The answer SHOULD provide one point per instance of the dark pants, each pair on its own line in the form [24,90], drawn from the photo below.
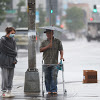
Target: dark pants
[7,78]
[51,78]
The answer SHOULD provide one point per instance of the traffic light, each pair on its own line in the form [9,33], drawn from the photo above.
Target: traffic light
[51,11]
[94,9]
[62,26]
[36,38]
[91,19]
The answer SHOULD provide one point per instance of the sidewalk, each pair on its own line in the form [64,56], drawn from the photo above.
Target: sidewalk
[75,91]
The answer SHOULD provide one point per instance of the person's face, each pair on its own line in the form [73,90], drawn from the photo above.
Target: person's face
[49,34]
[12,32]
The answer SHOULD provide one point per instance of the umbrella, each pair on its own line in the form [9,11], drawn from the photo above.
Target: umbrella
[53,28]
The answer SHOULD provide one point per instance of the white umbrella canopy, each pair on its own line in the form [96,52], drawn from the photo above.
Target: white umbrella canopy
[53,28]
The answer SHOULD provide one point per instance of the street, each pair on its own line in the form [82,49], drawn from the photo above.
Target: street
[79,55]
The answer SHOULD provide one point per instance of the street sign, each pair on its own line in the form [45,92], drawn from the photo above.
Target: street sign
[11,11]
[31,33]
[58,20]
[65,6]
[37,16]
[69,21]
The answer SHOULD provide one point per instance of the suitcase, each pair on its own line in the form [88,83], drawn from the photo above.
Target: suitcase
[89,76]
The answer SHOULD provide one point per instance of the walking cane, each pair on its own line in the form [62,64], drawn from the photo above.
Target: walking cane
[51,38]
[64,90]
[42,80]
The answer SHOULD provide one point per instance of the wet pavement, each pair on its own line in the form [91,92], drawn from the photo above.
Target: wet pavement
[75,91]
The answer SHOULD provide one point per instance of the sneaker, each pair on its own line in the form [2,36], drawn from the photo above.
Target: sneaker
[49,92]
[10,94]
[5,95]
[54,92]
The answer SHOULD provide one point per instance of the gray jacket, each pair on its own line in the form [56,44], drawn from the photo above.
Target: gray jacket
[7,52]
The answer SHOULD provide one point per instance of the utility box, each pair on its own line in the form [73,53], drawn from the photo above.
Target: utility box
[89,76]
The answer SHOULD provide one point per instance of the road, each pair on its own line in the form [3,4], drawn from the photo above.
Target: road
[79,55]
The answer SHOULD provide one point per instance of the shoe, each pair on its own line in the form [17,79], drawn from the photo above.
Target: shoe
[54,92]
[49,92]
[5,95]
[10,94]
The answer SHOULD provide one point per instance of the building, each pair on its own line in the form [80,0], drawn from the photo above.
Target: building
[62,7]
[89,2]
[41,2]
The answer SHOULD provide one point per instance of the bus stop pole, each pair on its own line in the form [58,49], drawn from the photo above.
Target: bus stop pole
[32,83]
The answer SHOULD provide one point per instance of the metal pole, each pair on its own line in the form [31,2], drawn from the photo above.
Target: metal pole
[50,11]
[32,83]
[31,37]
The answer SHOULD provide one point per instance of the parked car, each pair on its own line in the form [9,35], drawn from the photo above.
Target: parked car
[93,31]
[21,38]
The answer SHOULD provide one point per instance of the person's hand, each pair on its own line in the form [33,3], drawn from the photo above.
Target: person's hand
[61,58]
[15,62]
[50,45]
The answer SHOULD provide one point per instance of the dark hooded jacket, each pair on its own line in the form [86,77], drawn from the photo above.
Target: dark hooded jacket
[7,52]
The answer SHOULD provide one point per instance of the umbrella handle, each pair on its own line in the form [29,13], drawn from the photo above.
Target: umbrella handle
[51,39]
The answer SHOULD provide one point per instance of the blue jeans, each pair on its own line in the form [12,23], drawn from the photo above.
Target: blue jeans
[51,78]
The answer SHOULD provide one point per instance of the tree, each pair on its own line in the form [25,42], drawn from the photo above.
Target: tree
[4,5]
[22,17]
[75,19]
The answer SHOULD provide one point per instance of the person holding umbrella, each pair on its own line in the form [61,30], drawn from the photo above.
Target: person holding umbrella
[50,48]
